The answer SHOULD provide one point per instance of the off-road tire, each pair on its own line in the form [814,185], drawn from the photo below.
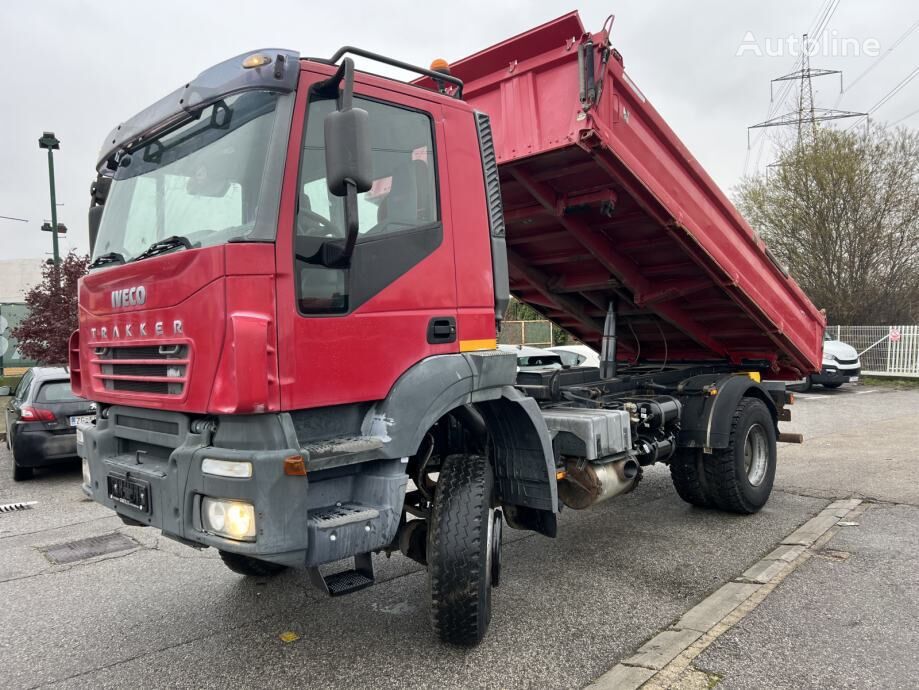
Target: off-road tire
[726,476]
[457,550]
[253,567]
[832,385]
[688,475]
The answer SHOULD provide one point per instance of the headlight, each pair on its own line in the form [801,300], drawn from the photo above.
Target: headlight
[87,478]
[227,468]
[232,519]
[832,358]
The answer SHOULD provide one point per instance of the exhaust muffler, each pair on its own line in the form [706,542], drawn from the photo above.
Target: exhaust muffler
[586,484]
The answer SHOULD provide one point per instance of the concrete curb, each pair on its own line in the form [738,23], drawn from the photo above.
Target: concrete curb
[661,660]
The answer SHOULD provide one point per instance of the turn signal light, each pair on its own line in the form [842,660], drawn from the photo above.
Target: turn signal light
[294,466]
[28,413]
[560,475]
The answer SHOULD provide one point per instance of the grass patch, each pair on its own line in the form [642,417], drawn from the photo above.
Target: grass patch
[891,382]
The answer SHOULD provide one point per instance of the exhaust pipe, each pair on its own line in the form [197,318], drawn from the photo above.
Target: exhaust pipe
[586,484]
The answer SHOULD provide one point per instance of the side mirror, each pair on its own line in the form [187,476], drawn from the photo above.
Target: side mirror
[347,158]
[99,193]
[4,391]
[347,151]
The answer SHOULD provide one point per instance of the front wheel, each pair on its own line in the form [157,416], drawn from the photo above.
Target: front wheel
[740,477]
[832,385]
[464,549]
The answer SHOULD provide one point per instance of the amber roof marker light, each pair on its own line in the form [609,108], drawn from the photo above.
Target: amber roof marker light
[440,65]
[256,60]
[443,67]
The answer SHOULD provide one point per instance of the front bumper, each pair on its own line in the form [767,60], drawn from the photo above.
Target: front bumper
[837,373]
[166,449]
[37,447]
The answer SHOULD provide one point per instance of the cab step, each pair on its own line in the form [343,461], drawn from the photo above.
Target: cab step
[347,581]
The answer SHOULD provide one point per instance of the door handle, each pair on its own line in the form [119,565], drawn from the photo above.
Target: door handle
[442,329]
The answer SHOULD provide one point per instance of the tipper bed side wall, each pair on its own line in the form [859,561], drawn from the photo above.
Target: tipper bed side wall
[602,201]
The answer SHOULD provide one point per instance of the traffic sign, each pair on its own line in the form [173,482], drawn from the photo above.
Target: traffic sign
[894,334]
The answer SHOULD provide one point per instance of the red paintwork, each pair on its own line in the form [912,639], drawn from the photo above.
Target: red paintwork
[247,355]
[204,289]
[692,279]
[330,360]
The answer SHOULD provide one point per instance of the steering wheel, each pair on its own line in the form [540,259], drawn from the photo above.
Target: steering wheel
[307,220]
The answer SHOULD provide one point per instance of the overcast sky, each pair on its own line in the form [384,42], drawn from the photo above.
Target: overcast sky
[79,68]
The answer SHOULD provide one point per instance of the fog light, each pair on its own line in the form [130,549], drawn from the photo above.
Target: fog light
[227,468]
[233,519]
[87,477]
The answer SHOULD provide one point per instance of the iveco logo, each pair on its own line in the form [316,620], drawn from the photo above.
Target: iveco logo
[129,297]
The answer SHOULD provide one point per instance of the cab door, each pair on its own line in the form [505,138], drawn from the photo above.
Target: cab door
[347,333]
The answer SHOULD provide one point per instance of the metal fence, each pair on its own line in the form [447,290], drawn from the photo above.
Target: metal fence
[535,333]
[883,350]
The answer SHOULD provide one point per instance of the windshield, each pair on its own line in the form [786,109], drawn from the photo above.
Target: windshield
[201,181]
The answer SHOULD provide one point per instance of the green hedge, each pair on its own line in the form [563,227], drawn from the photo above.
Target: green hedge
[11,381]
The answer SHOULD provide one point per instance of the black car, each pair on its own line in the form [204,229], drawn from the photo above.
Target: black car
[41,420]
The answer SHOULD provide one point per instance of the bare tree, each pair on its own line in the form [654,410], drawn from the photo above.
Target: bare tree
[841,211]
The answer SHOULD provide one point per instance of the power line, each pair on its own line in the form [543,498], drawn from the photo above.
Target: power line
[818,24]
[905,117]
[21,220]
[890,94]
[880,59]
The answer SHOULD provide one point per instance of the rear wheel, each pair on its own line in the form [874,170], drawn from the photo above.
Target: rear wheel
[688,475]
[20,473]
[804,386]
[464,549]
[253,567]
[740,476]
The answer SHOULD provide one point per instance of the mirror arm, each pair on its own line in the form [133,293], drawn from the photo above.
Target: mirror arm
[351,221]
[329,88]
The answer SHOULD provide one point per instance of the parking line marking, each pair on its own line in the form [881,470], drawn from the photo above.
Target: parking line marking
[865,392]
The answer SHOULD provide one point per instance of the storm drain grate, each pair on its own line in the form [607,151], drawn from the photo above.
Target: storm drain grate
[13,507]
[80,550]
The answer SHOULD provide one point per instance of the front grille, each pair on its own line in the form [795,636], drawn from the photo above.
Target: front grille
[146,424]
[148,369]
[157,387]
[141,352]
[847,361]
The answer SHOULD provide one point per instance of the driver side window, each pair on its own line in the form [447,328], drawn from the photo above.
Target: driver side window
[403,197]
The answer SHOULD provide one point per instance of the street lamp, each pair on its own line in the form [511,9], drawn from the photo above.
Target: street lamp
[51,142]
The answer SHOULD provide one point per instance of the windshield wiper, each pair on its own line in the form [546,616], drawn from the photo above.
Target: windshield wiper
[163,246]
[107,258]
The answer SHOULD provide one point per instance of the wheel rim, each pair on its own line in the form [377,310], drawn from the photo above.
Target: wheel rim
[756,454]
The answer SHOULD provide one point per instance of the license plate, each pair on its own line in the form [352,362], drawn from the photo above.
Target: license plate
[130,492]
[82,419]
[853,379]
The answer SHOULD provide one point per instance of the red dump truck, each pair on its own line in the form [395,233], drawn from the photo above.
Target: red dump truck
[298,271]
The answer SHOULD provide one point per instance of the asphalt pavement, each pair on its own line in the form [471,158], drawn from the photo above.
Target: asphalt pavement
[161,614]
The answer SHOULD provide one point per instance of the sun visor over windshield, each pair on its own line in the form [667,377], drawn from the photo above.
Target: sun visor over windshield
[280,74]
